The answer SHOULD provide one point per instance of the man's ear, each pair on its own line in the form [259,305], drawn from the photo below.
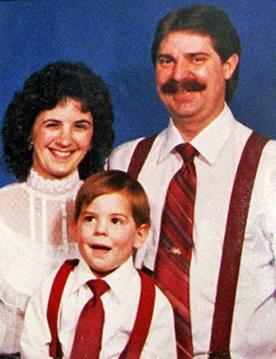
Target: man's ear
[230,66]
[141,235]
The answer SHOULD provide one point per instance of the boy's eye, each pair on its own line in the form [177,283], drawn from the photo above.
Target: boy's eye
[89,218]
[116,220]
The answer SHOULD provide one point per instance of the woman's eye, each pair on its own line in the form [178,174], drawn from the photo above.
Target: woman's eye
[51,124]
[84,125]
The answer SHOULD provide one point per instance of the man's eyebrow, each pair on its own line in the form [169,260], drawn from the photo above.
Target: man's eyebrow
[198,53]
[167,56]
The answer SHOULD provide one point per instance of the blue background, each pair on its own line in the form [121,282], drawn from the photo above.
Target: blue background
[114,38]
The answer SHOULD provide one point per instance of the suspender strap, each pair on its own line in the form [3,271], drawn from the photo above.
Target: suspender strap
[55,350]
[232,247]
[142,323]
[139,156]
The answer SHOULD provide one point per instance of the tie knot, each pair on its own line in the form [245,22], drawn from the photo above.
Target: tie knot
[187,152]
[98,287]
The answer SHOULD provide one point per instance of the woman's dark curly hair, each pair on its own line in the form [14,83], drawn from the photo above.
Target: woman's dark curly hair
[42,91]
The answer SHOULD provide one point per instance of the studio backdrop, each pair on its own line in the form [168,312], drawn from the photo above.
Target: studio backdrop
[114,38]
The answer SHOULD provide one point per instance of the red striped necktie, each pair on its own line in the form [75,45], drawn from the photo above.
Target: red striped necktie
[175,247]
[88,337]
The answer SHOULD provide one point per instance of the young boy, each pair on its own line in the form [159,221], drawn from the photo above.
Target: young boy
[112,219]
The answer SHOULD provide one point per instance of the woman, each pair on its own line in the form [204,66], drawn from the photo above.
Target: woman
[57,130]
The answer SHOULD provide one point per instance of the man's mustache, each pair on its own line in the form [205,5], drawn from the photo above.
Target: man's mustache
[173,86]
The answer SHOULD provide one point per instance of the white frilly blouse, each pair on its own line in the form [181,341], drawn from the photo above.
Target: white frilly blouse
[35,238]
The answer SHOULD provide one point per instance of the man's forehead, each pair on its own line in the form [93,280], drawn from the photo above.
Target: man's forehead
[186,38]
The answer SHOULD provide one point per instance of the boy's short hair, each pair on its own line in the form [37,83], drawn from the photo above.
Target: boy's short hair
[113,181]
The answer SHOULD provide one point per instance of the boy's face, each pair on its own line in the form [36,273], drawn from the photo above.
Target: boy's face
[107,233]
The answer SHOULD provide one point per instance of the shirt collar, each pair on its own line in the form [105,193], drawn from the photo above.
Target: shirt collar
[172,138]
[208,142]
[118,280]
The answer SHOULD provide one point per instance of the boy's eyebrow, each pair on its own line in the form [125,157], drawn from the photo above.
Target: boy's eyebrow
[109,214]
[118,214]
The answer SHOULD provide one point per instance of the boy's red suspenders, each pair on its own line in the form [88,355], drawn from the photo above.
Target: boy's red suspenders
[55,350]
[233,240]
[142,322]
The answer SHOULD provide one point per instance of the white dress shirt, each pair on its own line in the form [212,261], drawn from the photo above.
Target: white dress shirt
[220,146]
[35,239]
[120,305]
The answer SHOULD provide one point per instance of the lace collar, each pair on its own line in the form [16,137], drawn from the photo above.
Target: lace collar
[53,187]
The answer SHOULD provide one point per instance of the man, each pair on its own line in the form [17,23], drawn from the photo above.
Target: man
[196,55]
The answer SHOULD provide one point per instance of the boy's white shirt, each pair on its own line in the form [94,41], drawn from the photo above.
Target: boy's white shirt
[120,305]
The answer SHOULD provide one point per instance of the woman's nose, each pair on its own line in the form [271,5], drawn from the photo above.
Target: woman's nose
[65,137]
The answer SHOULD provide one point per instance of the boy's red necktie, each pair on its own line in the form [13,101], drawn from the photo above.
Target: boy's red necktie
[175,248]
[88,336]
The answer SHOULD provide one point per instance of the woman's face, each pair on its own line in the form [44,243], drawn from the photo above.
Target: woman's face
[61,138]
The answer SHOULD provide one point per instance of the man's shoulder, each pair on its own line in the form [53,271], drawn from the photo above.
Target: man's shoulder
[269,153]
[121,155]
[126,146]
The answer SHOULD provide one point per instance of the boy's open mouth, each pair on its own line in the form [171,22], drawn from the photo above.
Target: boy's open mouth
[101,247]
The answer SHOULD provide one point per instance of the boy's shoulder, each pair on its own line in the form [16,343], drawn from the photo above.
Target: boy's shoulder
[161,301]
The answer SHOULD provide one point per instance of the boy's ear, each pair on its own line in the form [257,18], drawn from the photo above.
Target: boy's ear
[141,235]
[73,230]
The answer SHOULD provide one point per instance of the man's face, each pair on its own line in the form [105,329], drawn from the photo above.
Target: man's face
[190,78]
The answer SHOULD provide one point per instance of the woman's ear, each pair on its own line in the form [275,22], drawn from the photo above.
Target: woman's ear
[141,235]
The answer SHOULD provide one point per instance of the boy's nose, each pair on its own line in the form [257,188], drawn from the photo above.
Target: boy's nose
[101,227]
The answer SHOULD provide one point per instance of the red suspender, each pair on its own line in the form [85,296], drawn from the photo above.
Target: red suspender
[139,156]
[233,241]
[142,322]
[232,246]
[54,303]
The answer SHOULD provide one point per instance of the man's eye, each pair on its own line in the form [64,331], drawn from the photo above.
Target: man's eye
[164,61]
[199,59]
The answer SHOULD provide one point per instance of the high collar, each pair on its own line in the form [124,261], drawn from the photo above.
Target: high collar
[53,187]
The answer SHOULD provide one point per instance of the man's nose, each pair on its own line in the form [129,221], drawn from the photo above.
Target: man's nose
[182,70]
